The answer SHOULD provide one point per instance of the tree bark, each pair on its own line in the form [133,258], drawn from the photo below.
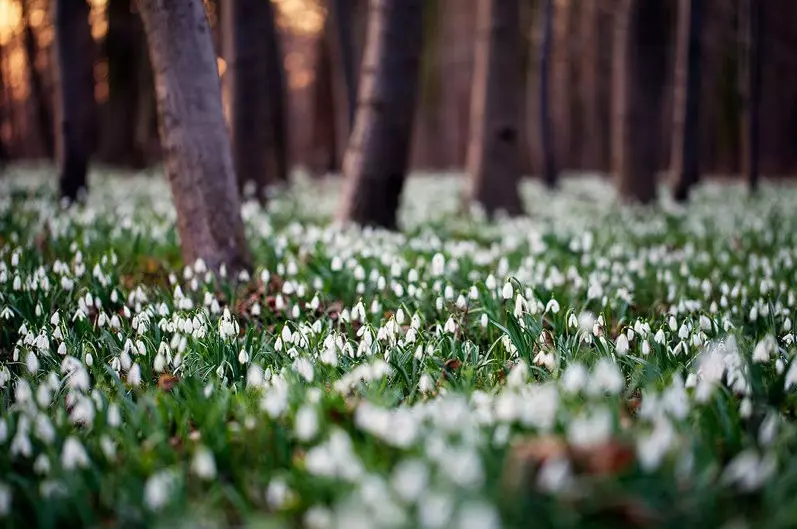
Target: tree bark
[43,114]
[685,162]
[255,96]
[76,93]
[641,36]
[750,23]
[193,133]
[549,170]
[377,156]
[493,163]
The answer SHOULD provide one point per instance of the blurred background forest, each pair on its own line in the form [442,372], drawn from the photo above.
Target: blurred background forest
[317,111]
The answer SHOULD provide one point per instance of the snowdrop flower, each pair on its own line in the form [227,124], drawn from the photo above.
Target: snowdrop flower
[73,455]
[203,465]
[574,378]
[763,350]
[552,306]
[554,475]
[518,374]
[606,378]
[659,338]
[426,384]
[507,292]
[134,376]
[306,425]
[586,431]
[749,471]
[572,321]
[438,265]
[278,493]
[159,489]
[621,345]
[450,326]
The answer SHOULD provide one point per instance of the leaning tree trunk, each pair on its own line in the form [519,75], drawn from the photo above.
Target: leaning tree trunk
[193,133]
[493,163]
[258,142]
[377,155]
[640,58]
[76,93]
[549,171]
[750,41]
[685,162]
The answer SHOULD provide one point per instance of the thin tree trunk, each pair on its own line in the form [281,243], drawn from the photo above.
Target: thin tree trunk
[377,156]
[193,133]
[751,17]
[493,163]
[685,163]
[549,170]
[76,93]
[641,35]
[43,114]
[255,97]
[341,14]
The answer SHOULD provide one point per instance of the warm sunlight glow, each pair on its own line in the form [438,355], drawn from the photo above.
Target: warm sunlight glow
[300,16]
[10,16]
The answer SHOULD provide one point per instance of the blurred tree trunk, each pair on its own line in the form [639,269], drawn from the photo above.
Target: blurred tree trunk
[565,103]
[43,114]
[341,16]
[376,159]
[124,53]
[256,97]
[751,57]
[493,164]
[595,85]
[146,114]
[549,169]
[324,158]
[685,162]
[193,133]
[76,93]
[640,48]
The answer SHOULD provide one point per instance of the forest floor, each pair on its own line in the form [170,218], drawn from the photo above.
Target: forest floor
[591,365]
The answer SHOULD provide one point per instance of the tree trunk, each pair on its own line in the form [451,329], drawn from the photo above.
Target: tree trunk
[641,36]
[377,156]
[256,100]
[193,133]
[43,114]
[549,170]
[493,163]
[341,16]
[123,51]
[324,156]
[595,88]
[750,23]
[76,93]
[685,163]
